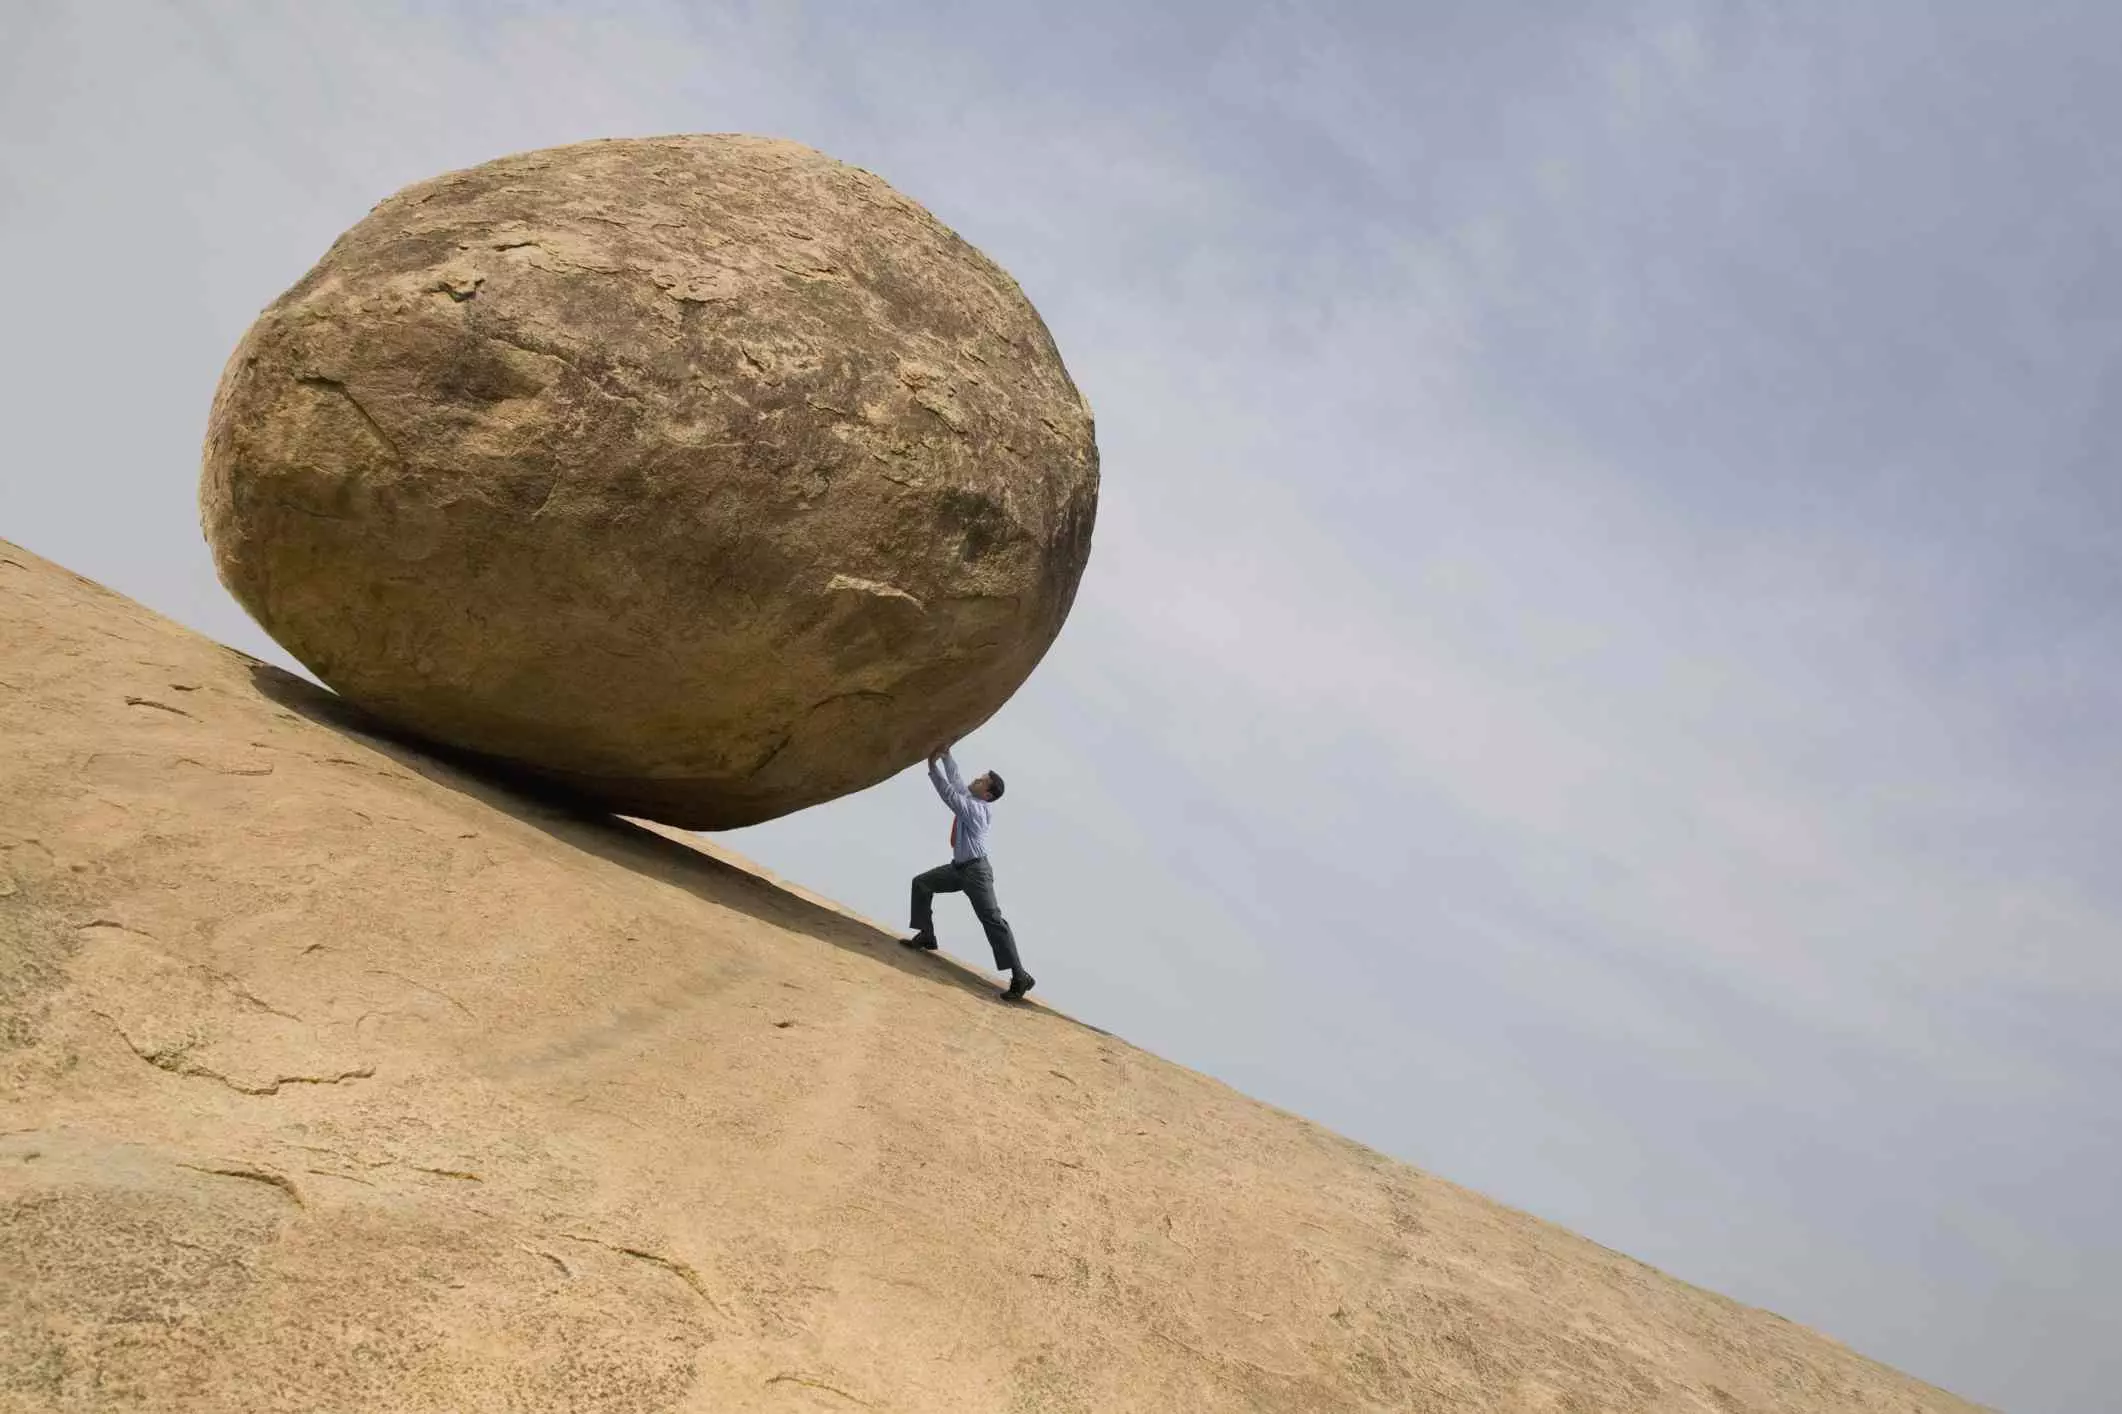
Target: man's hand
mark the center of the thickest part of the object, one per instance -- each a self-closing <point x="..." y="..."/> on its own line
<point x="938" y="753"/>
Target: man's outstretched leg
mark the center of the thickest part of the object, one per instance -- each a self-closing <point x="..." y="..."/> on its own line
<point x="943" y="879"/>
<point x="978" y="881"/>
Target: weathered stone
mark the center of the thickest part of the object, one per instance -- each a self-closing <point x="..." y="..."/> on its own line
<point x="706" y="476"/>
<point x="333" y="1079"/>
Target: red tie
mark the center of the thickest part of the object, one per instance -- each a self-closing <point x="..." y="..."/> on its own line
<point x="953" y="834"/>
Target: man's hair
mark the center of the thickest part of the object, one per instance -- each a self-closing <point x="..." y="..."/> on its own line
<point x="994" y="783"/>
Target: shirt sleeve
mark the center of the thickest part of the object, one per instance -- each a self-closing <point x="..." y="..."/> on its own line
<point x="943" y="775"/>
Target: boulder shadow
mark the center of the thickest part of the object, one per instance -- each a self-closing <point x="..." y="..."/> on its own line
<point x="596" y="831"/>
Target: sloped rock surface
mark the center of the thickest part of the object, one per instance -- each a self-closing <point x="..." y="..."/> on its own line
<point x="334" y="1079"/>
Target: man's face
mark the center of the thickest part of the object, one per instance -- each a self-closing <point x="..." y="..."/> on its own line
<point x="982" y="787"/>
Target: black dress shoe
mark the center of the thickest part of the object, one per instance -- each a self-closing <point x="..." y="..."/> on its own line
<point x="924" y="942"/>
<point x="1020" y="982"/>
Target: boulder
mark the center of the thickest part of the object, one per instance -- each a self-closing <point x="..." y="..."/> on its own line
<point x="706" y="477"/>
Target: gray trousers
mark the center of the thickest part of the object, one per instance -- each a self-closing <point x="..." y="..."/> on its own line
<point x="975" y="878"/>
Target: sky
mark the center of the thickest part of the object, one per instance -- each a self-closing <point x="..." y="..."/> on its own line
<point x="1598" y="668"/>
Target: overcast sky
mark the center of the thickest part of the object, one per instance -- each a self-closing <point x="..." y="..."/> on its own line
<point x="1600" y="664"/>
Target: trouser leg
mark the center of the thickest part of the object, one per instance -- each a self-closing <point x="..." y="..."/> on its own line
<point x="943" y="879"/>
<point x="979" y="884"/>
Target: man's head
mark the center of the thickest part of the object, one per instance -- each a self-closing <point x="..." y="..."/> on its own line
<point x="987" y="787"/>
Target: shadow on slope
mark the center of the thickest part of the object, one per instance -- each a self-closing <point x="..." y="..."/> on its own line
<point x="612" y="838"/>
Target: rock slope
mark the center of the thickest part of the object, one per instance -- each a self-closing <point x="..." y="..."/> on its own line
<point x="333" y="1078"/>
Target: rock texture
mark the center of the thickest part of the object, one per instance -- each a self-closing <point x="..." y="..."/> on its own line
<point x="707" y="476"/>
<point x="333" y="1079"/>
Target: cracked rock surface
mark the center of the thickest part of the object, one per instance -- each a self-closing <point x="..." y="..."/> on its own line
<point x="706" y="476"/>
<point x="333" y="1078"/>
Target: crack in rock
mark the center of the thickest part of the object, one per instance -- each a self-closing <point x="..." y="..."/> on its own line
<point x="786" y="1378"/>
<point x="265" y="770"/>
<point x="253" y="1175"/>
<point x="333" y="385"/>
<point x="423" y="987"/>
<point x="681" y="1270"/>
<point x="158" y="706"/>
<point x="235" y="985"/>
<point x="176" y="1060"/>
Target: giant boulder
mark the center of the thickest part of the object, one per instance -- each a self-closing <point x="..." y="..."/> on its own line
<point x="705" y="477"/>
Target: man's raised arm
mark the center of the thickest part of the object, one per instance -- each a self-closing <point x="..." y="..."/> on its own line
<point x="943" y="775"/>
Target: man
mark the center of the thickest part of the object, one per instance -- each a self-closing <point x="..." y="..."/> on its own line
<point x="968" y="871"/>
